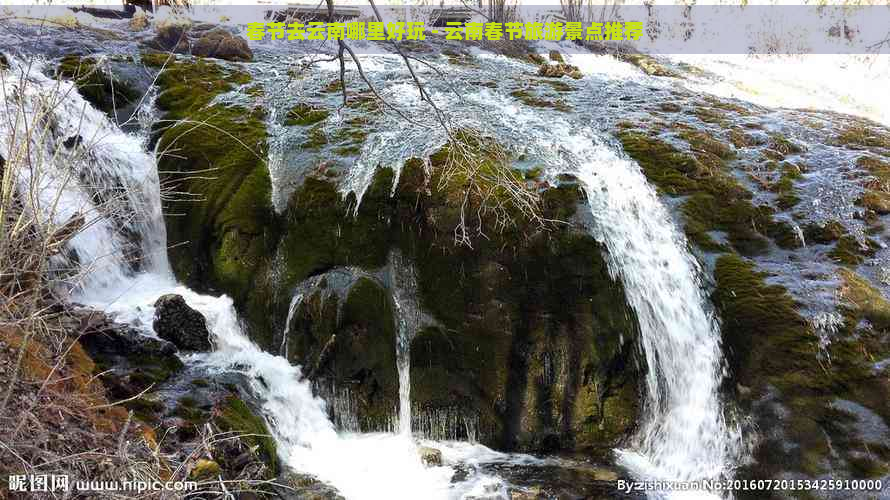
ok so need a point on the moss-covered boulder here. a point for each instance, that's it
(95, 84)
(530, 341)
(221, 226)
(350, 347)
(234, 415)
(791, 387)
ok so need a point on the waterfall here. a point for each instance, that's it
(70, 175)
(684, 435)
(404, 286)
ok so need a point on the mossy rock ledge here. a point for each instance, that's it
(532, 341)
(809, 400)
(527, 349)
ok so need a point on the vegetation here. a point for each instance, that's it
(95, 84)
(716, 202)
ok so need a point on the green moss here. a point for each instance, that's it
(206, 470)
(672, 171)
(304, 114)
(741, 139)
(648, 64)
(235, 416)
(145, 408)
(711, 115)
(737, 217)
(863, 135)
(784, 187)
(93, 82)
(864, 300)
(780, 146)
(156, 59)
(877, 201)
(879, 169)
(194, 416)
(529, 99)
(718, 202)
(754, 312)
(316, 138)
(702, 142)
(848, 250)
(826, 233)
(727, 106)
(153, 370)
(771, 348)
(221, 226)
(558, 85)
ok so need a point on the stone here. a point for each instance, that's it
(102, 336)
(177, 322)
(221, 44)
(205, 469)
(430, 457)
(559, 70)
(171, 36)
(139, 21)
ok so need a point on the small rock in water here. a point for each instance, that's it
(559, 70)
(139, 21)
(430, 457)
(533, 493)
(177, 322)
(221, 44)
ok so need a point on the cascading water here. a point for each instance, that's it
(369, 466)
(684, 436)
(404, 286)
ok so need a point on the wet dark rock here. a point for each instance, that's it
(221, 44)
(177, 322)
(73, 141)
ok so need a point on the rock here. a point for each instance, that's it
(172, 36)
(559, 70)
(648, 64)
(205, 469)
(296, 486)
(556, 56)
(139, 21)
(102, 336)
(221, 44)
(430, 457)
(533, 493)
(876, 200)
(177, 322)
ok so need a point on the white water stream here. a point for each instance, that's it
(684, 436)
(360, 466)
